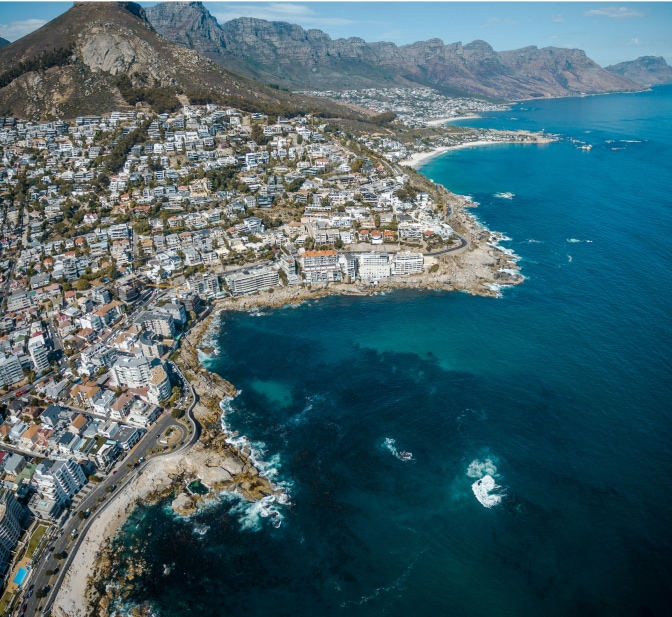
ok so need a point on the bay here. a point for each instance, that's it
(559, 389)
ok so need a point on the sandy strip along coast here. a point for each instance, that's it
(418, 159)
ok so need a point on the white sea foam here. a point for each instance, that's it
(252, 514)
(502, 249)
(569, 258)
(402, 455)
(485, 488)
(505, 195)
(200, 529)
(478, 469)
(494, 287)
(573, 240)
(484, 491)
(510, 271)
(531, 241)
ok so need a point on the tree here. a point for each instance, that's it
(41, 593)
(82, 284)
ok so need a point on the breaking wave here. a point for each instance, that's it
(485, 488)
(402, 455)
(252, 514)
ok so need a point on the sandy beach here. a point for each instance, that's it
(418, 159)
(72, 596)
(441, 121)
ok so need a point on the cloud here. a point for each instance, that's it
(557, 19)
(614, 12)
(16, 29)
(634, 42)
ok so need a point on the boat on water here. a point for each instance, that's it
(586, 147)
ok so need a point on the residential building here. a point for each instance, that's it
(373, 266)
(205, 285)
(159, 386)
(320, 266)
(176, 311)
(10, 370)
(131, 371)
(38, 354)
(159, 322)
(252, 280)
(60, 480)
(406, 262)
(12, 517)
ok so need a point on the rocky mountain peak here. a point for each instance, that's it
(647, 70)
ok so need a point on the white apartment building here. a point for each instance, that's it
(320, 266)
(373, 266)
(131, 371)
(10, 370)
(159, 386)
(406, 262)
(60, 480)
(251, 280)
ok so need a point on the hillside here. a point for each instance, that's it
(102, 56)
(289, 56)
(646, 70)
(3, 42)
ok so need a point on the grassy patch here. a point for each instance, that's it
(35, 540)
(5, 602)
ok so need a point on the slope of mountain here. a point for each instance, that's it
(3, 42)
(102, 56)
(647, 70)
(286, 54)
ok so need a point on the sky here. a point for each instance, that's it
(609, 32)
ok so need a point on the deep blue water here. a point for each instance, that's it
(561, 388)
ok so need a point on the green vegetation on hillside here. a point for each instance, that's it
(54, 57)
(161, 99)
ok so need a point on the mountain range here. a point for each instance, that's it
(100, 56)
(3, 42)
(288, 55)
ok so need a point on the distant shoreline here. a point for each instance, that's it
(418, 159)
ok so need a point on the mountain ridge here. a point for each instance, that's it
(646, 70)
(291, 56)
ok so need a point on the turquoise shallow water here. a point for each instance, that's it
(560, 389)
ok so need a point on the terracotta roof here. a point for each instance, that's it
(327, 253)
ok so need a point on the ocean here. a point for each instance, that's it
(559, 391)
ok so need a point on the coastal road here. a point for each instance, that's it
(123, 473)
(120, 476)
